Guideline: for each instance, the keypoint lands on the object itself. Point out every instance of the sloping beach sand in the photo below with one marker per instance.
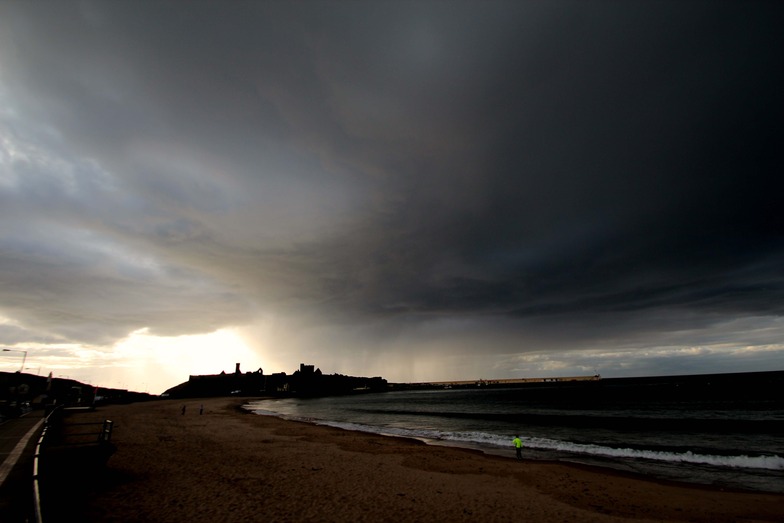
(226, 465)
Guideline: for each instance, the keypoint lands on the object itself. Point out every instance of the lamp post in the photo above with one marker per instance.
(23, 357)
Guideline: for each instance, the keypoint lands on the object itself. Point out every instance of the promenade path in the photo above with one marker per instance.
(18, 437)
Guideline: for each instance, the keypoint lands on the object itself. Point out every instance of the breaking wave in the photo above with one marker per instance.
(486, 440)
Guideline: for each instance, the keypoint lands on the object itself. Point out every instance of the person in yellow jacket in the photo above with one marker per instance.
(517, 442)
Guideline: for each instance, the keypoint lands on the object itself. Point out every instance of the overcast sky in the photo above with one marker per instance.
(417, 190)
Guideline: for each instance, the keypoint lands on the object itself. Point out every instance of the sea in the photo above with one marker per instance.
(723, 430)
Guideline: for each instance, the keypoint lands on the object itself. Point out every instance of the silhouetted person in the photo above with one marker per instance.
(201, 409)
(183, 410)
(517, 442)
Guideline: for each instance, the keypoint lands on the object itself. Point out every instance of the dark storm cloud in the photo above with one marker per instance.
(595, 164)
(641, 175)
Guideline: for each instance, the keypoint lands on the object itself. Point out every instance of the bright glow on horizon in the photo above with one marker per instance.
(144, 362)
(162, 362)
(141, 362)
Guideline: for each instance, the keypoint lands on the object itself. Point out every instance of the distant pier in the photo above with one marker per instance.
(496, 382)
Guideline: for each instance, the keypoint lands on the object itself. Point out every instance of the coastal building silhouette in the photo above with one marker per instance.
(20, 392)
(306, 381)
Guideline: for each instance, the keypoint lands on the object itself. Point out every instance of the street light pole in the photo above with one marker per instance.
(24, 358)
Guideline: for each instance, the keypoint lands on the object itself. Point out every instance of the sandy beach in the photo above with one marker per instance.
(228, 465)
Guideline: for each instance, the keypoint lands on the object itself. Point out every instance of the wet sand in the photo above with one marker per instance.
(227, 465)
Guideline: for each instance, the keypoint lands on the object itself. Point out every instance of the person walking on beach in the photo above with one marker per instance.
(183, 410)
(517, 442)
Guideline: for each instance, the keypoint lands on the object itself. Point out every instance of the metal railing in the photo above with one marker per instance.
(36, 463)
(104, 436)
(84, 437)
(36, 486)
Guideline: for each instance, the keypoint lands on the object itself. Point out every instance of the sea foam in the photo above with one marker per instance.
(483, 439)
